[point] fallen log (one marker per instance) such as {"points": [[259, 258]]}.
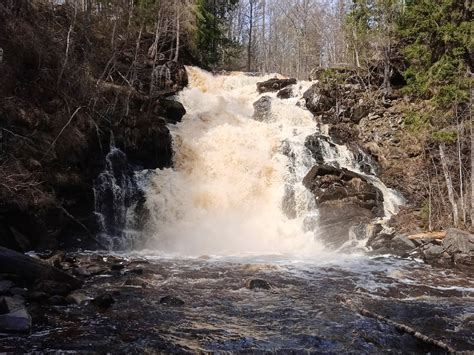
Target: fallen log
{"points": [[401, 327], [428, 235], [32, 270]]}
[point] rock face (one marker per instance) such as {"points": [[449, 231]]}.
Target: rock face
{"points": [[262, 108], [345, 199], [274, 84]]}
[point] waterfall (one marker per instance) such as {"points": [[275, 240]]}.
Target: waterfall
{"points": [[236, 185], [117, 193]]}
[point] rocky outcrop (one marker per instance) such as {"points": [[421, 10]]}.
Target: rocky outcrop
{"points": [[345, 199], [274, 84]]}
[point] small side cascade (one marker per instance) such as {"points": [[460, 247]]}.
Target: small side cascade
{"points": [[118, 197]]}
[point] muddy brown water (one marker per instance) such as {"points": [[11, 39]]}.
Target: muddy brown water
{"points": [[301, 313]]}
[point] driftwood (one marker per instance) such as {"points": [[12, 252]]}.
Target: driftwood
{"points": [[428, 235], [399, 326], [32, 270]]}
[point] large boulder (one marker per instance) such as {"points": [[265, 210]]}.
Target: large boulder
{"points": [[274, 84], [345, 199], [460, 246], [320, 99]]}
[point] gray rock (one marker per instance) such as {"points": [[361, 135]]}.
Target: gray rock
{"points": [[432, 251], [80, 271], [14, 317], [77, 298], [402, 243], [274, 84], [285, 93], [171, 301], [262, 108], [458, 241], [258, 284]]}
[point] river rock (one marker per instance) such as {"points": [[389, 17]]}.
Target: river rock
{"points": [[460, 246], [258, 284], [274, 84], [14, 316], [285, 93], [77, 298], [171, 301], [402, 243], [103, 301]]}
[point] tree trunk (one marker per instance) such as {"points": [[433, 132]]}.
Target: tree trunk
{"points": [[249, 47], [449, 185], [178, 25]]}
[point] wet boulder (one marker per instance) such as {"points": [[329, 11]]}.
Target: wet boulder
{"points": [[460, 246], [13, 316], [103, 301], [285, 93], [345, 199], [255, 284], [262, 108], [172, 110], [320, 99], [274, 84], [171, 301]]}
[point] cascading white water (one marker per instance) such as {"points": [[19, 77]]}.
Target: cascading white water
{"points": [[233, 174], [225, 192]]}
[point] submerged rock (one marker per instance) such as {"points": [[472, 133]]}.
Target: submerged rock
{"points": [[103, 301], [171, 301], [258, 284], [274, 84]]}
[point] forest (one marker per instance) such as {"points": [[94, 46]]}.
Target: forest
{"points": [[248, 175]]}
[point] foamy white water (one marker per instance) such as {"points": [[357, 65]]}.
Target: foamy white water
{"points": [[232, 173], [225, 192]]}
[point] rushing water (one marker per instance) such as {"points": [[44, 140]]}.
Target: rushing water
{"points": [[217, 221], [232, 174]]}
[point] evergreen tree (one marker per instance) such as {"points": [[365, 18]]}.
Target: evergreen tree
{"points": [[438, 41], [212, 22]]}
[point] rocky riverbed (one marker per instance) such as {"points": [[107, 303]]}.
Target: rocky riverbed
{"points": [[145, 303]]}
